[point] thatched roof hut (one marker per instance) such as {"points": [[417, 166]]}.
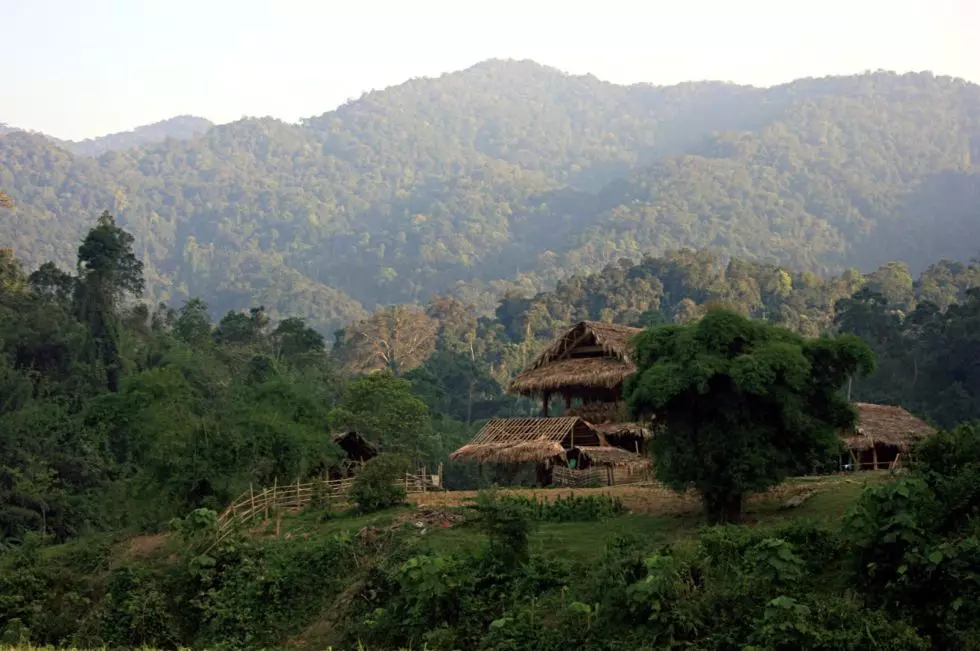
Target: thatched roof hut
{"points": [[885, 425], [355, 446], [590, 360], [517, 440]]}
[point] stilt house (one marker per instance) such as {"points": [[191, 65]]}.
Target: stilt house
{"points": [[585, 368]]}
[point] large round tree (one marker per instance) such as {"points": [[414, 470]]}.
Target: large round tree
{"points": [[740, 404]]}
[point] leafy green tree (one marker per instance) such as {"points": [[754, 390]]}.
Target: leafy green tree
{"points": [[108, 270], [193, 323], [740, 403], [242, 329], [49, 280], [294, 340], [381, 407]]}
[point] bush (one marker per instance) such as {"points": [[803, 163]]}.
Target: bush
{"points": [[573, 508], [376, 486]]}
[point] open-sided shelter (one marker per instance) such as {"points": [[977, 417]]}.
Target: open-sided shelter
{"points": [[883, 435]]}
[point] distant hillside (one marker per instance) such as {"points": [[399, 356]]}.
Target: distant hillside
{"points": [[183, 127], [511, 174]]}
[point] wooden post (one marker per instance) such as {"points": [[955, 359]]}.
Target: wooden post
{"points": [[874, 455], [568, 401], [251, 497], [544, 403], [278, 523]]}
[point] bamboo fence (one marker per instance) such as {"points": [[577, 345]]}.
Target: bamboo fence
{"points": [[252, 504]]}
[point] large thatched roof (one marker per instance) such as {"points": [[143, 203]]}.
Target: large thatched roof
{"points": [[589, 355], [885, 424], [516, 440]]}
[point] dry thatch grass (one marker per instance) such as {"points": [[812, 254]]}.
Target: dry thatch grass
{"points": [[581, 373], [527, 451], [886, 424], [611, 456], [517, 440], [555, 368]]}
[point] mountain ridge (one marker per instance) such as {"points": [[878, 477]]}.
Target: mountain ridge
{"points": [[509, 176]]}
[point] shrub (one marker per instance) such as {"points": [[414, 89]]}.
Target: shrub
{"points": [[376, 486], [573, 508]]}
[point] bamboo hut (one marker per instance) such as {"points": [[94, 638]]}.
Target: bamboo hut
{"points": [[543, 441], [884, 434], [355, 446], [586, 366], [589, 363], [605, 464], [356, 449]]}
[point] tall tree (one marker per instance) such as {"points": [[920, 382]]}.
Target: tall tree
{"points": [[741, 403], [108, 270], [397, 339]]}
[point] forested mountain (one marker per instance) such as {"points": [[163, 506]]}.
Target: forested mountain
{"points": [[512, 175], [182, 127]]}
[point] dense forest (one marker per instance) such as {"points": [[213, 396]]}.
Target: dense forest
{"points": [[188, 311], [510, 176], [121, 413]]}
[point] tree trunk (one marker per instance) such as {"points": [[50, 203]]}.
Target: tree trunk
{"points": [[723, 509]]}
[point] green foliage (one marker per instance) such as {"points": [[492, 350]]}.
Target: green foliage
{"points": [[571, 508], [507, 524], [381, 408], [741, 403], [379, 484]]}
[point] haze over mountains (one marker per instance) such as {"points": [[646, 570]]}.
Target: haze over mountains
{"points": [[512, 174]]}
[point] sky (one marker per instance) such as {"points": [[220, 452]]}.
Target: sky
{"points": [[77, 69]]}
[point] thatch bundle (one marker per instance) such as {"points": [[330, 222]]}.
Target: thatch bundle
{"points": [[560, 366], [885, 424], [623, 430], [610, 456], [529, 451]]}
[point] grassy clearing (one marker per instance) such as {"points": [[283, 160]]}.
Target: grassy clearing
{"points": [[656, 514]]}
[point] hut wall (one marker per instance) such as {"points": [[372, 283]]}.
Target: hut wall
{"points": [[596, 475], [880, 457]]}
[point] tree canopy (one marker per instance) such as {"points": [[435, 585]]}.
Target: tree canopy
{"points": [[739, 404], [511, 175]]}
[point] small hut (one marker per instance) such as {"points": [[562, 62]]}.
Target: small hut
{"points": [[589, 363], [357, 450], [884, 434], [586, 366], [355, 446], [543, 441], [605, 465]]}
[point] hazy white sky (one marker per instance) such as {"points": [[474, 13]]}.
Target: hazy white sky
{"points": [[83, 68]]}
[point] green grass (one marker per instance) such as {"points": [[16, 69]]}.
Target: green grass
{"points": [[586, 541]]}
